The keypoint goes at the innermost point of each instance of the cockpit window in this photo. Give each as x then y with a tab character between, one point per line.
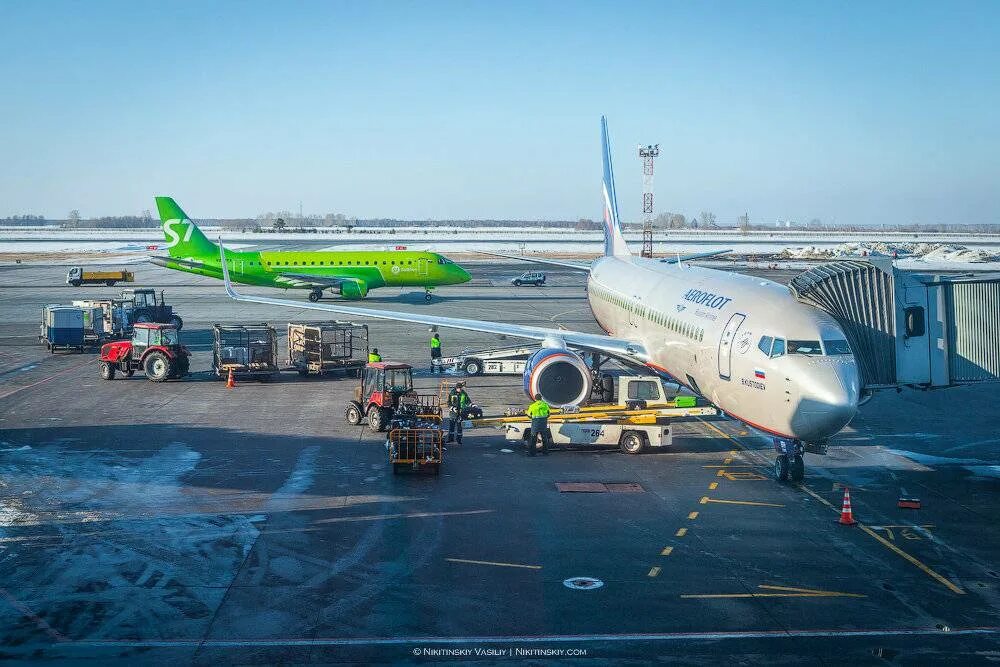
806	347
836	346
444	260
778	350
765	345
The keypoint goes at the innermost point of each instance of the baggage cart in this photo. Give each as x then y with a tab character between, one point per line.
319	348
248	350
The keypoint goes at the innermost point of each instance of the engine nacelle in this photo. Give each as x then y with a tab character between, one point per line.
353	289
559	375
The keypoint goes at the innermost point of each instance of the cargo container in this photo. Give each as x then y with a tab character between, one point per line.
115	321
248	351
327	347
62	327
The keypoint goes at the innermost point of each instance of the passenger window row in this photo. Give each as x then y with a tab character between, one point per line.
667	322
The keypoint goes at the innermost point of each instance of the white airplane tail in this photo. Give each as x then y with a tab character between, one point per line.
614	241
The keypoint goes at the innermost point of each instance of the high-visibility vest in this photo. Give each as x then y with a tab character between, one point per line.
435	343
458	399
373	357
538	409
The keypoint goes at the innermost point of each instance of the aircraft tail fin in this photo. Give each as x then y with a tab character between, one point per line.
183	237
614	241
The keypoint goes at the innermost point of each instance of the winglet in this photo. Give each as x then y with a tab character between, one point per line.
225	272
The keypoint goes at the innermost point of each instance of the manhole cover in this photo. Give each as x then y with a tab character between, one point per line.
582	583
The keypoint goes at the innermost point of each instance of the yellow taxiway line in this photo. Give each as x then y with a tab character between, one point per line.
782	592
868	531
705	500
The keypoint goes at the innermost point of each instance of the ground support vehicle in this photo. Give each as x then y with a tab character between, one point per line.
328	347
500	361
246	350
536	278
143	306
415	448
386	389
78	276
154	348
640	419
114	319
62	327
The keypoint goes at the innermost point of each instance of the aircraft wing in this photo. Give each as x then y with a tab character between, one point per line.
696	255
307	280
619	347
537	260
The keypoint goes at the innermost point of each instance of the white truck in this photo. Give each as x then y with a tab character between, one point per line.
641	418
498	361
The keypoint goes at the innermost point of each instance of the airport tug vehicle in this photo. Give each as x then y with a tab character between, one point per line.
145	307
155	349
386	390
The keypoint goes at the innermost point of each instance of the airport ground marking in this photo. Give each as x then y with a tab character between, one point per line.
667	551
884	542
743	476
893	548
776	592
727	461
494	563
713	486
728	465
705	500
692	516
681	532
39	622
653	572
46	379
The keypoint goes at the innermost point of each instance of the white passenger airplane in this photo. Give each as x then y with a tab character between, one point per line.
744	343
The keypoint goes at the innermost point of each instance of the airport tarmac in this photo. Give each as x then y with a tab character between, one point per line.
184	522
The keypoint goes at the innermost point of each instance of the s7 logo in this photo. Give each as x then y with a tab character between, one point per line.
173	237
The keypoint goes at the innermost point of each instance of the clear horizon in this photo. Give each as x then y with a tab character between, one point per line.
859	114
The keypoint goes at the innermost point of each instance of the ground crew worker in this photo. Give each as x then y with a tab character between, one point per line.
539	413
435	353
458	403
374	356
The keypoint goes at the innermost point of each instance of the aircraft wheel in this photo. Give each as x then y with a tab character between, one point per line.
427	296
315	295
781	468
797	469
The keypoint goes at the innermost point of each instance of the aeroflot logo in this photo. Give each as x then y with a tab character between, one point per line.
173	237
706	299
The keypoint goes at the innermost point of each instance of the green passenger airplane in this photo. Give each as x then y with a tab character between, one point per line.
351	273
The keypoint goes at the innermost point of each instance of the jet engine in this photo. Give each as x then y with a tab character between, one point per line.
559	375
353	289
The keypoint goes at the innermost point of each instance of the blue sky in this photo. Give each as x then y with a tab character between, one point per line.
847	112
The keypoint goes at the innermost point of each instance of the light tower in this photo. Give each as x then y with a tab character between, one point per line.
647	154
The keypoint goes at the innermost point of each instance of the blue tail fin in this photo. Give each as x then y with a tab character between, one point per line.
614	242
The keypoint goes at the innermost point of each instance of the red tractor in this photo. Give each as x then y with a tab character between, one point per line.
154	348
386	391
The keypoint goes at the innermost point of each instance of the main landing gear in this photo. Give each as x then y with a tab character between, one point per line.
315	295
788	465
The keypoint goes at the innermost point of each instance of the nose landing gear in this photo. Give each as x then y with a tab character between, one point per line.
788	465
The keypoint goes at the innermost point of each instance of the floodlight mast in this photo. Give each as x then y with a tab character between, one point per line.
647	154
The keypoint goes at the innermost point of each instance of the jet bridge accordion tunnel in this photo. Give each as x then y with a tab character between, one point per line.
910	329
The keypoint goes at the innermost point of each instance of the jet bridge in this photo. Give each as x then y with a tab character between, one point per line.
908	328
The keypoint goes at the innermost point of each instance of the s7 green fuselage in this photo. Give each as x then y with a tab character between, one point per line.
351	273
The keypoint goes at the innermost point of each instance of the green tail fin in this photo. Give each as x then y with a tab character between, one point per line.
184	239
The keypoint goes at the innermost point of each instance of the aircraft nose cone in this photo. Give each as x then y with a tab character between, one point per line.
830	401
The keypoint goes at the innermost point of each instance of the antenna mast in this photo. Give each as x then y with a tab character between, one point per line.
647	154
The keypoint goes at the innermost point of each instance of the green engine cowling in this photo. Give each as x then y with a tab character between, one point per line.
353	289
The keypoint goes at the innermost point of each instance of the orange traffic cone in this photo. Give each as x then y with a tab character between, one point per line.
230	383
846	515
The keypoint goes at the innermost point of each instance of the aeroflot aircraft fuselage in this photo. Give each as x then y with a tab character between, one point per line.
744	343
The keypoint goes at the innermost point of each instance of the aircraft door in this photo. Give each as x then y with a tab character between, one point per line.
726	344
421	267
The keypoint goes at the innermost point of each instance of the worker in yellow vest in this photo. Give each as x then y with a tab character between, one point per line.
539	413
374	356
436	353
